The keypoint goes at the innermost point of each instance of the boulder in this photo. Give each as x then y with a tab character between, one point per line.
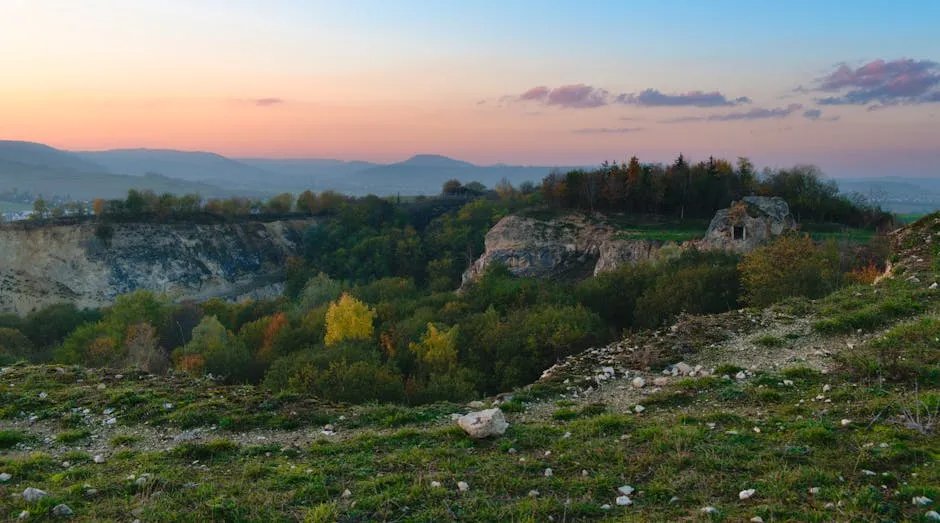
484	423
32	495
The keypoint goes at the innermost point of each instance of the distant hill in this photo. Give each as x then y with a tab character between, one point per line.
39	155
897	194
43	170
314	172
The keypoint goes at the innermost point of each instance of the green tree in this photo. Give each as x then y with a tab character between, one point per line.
791	266
437	348
216	346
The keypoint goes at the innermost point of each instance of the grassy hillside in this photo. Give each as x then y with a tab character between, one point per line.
827	409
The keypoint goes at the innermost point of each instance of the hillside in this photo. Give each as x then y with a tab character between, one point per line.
808	410
39	155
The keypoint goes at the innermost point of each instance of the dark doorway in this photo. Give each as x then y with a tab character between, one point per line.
737	232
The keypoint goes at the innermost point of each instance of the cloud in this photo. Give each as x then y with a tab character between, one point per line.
812	114
881	83
608	130
757	113
267	102
655	98
583	96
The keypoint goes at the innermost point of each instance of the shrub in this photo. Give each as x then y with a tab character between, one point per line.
14	345
791	266
216	351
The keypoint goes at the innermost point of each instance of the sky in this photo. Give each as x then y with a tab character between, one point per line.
851	86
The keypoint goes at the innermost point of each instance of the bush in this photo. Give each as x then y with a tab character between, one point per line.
14	345
791	266
215	350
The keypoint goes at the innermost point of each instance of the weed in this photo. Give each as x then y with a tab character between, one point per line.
71	436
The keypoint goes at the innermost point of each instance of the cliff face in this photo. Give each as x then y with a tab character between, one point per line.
72	263
566	247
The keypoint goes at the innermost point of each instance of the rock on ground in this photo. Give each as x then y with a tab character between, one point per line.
484	423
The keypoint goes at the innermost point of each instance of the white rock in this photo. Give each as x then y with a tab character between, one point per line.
4	477
709	510
511	450
746	494
626	490
932	515
463	486
43	395
347	494
23	515
921	501
605	507
827	388
98	458
167	406
549	473
788	383
830	505
61	510
814	490
757	519
639	408
933	286
740	375
533	493
435	484
846	422
661	381
756	430
624	501
102	386
32	495
639	382
484	423
584	473
868	472
476	404
110	421
567	435
683	367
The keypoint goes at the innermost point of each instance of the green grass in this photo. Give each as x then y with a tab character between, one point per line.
72	436
769	341
11	438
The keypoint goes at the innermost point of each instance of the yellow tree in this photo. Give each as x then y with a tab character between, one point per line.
437	348
348	319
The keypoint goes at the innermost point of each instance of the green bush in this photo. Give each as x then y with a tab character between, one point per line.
791	266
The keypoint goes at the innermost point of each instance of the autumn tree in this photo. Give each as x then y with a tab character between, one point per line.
348	319
307	202
216	348
437	348
794	265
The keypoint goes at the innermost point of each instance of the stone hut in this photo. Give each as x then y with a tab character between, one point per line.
748	223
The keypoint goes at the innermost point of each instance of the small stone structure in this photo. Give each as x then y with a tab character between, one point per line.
748	223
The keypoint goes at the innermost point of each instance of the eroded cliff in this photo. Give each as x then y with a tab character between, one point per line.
90	266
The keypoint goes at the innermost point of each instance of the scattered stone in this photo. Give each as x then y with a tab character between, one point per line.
484	423
626	490
167	406
98	458
4	477
933	286
624	501
549	473
830	505
347	494
740	375
661	381
512	450
788	383
746	494
868	472
43	395
435	484
462	486
91	492
567	435
709	510
683	368
757	430
757	519
32	495
827	388
66	464
110	421
639	382
102	386
639	408
932	515
23	515
584	473
62	511
476	404
605	507
533	493
814	490
674	499
846	422
921	501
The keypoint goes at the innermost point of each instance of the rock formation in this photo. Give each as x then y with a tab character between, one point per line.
567	247
748	223
48	264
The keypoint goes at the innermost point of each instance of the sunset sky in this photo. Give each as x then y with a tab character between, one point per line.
846	85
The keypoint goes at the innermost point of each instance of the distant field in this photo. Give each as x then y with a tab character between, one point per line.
910	217
851	235
6	206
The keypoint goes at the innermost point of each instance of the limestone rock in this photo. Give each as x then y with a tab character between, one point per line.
484	423
32	495
749	223
62	511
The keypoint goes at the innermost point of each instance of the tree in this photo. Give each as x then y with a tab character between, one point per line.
348	319
281	204
437	348
143	351
451	187
40	209
217	349
791	266
307	202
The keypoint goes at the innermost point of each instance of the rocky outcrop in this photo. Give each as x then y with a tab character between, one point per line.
567	247
748	223
85	265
